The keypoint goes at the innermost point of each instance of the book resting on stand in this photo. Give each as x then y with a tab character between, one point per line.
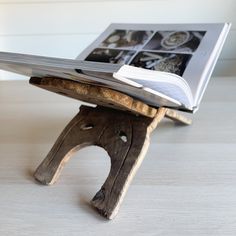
160	64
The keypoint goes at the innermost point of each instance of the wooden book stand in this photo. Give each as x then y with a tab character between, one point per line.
120	124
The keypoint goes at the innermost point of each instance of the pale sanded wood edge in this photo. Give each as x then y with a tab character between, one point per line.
177	117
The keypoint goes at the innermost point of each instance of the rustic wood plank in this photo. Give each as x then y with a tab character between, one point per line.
94	94
126	143
177	117
103	96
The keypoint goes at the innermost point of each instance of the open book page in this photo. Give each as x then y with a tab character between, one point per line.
99	74
177	61
169	84
182	49
209	67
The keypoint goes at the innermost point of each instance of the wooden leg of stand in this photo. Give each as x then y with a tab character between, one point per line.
126	157
73	137
124	136
177	117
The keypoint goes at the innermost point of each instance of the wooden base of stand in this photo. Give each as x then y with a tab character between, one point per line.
124	135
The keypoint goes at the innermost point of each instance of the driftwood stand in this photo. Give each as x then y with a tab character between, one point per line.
119	124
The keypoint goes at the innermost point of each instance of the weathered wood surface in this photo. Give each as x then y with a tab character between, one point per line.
122	131
103	97
177	117
124	136
93	94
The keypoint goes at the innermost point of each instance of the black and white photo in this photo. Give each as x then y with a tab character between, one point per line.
168	62
178	41
113	56
128	39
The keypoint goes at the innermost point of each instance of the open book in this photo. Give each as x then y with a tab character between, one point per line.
162	65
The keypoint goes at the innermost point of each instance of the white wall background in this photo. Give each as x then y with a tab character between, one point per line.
63	28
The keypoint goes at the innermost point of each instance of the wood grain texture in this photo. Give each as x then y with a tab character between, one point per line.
124	136
95	95
104	97
177	117
185	186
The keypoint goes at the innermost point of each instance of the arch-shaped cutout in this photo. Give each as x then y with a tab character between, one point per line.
90	162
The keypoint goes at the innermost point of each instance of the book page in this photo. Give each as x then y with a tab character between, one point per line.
93	73
182	49
168	89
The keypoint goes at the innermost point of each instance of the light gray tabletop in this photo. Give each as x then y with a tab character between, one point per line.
185	186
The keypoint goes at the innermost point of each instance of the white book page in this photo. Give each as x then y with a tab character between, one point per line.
81	71
194	46
166	83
